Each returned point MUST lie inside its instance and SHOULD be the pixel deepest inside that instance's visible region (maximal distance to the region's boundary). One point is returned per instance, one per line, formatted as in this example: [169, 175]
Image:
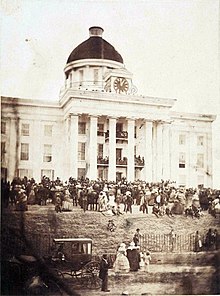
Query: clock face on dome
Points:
[121, 85]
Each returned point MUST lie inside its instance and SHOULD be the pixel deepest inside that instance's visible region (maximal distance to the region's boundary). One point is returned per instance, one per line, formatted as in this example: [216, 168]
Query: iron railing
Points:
[15, 243]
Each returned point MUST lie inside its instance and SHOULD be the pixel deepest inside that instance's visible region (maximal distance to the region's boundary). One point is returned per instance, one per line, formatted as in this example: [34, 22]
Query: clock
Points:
[121, 84]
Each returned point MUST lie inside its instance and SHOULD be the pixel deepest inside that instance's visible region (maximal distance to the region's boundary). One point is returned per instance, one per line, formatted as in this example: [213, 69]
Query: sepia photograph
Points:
[110, 147]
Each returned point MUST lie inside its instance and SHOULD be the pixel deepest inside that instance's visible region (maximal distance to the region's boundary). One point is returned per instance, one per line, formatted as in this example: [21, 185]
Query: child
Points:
[142, 262]
[147, 259]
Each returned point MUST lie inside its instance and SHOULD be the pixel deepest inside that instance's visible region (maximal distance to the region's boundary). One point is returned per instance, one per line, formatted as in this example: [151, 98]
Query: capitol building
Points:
[102, 128]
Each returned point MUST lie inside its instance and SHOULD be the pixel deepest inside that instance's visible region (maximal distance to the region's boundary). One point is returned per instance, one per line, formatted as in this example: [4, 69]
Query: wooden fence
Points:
[167, 243]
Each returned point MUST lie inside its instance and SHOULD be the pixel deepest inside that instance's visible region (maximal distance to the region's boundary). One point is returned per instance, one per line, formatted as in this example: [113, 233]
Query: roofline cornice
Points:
[193, 116]
[113, 97]
[29, 102]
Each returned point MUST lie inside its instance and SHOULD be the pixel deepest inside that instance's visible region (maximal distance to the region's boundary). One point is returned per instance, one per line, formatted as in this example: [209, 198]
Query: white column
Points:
[154, 158]
[192, 159]
[166, 152]
[130, 170]
[148, 154]
[159, 151]
[73, 140]
[112, 150]
[208, 159]
[66, 154]
[93, 148]
[14, 144]
[37, 150]
[174, 148]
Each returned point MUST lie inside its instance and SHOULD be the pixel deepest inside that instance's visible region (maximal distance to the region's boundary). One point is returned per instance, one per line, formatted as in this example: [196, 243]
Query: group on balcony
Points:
[101, 160]
[119, 134]
[121, 161]
[138, 160]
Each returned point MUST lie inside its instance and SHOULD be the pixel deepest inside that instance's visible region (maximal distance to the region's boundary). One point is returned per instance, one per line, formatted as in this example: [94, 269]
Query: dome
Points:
[95, 48]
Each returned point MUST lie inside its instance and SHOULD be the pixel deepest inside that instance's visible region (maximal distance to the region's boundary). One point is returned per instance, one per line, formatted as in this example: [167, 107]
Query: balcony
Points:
[120, 136]
[139, 161]
[102, 161]
[121, 162]
[100, 133]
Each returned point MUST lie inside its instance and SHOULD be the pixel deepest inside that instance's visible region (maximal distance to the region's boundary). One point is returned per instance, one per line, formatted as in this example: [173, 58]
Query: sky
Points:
[171, 47]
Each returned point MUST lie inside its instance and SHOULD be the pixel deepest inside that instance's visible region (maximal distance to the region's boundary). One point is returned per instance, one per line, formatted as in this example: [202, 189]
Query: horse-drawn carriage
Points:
[72, 258]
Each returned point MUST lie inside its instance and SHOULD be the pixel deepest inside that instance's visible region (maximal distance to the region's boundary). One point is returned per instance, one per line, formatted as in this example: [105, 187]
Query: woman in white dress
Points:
[121, 263]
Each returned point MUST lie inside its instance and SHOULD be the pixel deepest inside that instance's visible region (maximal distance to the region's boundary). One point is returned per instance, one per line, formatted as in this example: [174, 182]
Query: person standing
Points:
[172, 238]
[103, 273]
[137, 237]
[121, 263]
[84, 198]
[133, 255]
[198, 242]
[147, 259]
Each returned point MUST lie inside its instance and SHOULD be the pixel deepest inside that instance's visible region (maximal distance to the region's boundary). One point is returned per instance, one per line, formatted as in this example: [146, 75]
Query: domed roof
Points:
[95, 48]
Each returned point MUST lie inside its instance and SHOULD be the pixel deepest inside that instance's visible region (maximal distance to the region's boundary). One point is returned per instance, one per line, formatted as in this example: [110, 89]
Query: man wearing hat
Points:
[103, 273]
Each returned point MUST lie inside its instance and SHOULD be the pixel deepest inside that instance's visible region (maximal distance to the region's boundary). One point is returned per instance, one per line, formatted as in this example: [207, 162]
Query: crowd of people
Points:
[116, 198]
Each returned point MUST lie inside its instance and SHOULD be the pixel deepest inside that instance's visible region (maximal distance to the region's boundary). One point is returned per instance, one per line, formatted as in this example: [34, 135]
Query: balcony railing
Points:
[138, 161]
[102, 161]
[120, 135]
[100, 133]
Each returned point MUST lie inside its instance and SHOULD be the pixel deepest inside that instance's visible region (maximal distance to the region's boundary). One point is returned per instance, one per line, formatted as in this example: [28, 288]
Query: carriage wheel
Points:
[90, 275]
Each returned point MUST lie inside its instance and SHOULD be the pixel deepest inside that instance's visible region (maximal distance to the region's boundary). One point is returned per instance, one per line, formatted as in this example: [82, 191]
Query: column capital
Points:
[93, 116]
[112, 117]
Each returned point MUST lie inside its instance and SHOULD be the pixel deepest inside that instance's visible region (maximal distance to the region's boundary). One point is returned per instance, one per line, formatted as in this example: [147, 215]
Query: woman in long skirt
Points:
[121, 263]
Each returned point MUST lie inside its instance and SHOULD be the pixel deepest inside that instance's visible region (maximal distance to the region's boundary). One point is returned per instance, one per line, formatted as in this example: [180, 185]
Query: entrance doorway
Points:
[118, 176]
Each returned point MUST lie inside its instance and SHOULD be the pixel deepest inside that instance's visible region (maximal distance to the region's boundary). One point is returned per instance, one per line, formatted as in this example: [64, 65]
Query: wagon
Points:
[72, 257]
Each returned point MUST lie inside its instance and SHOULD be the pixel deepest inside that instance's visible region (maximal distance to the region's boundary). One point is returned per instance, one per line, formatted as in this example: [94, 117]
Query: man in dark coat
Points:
[103, 273]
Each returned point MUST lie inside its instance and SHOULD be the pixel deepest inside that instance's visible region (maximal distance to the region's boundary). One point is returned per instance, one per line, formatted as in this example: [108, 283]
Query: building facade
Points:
[101, 128]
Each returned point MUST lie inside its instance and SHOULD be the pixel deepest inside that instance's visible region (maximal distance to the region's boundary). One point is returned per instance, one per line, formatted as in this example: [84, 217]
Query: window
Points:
[82, 128]
[100, 129]
[25, 173]
[81, 151]
[80, 76]
[182, 139]
[200, 160]
[100, 150]
[182, 160]
[24, 151]
[47, 153]
[101, 173]
[3, 151]
[3, 127]
[48, 130]
[118, 153]
[96, 76]
[200, 141]
[25, 129]
[119, 127]
[48, 173]
[135, 131]
[81, 172]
